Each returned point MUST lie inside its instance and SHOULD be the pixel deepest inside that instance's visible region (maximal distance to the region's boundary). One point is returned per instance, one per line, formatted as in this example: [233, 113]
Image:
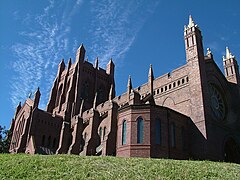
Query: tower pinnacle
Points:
[191, 23]
[228, 53]
[96, 63]
[231, 68]
[129, 85]
[150, 72]
[150, 79]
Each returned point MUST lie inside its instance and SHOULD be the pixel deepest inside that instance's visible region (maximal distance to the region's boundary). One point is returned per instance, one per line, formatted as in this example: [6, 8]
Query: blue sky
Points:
[36, 35]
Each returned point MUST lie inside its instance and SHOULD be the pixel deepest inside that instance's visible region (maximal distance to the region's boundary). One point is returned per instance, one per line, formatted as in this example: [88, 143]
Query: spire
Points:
[81, 48]
[129, 85]
[69, 63]
[150, 79]
[19, 104]
[110, 68]
[61, 67]
[228, 54]
[191, 22]
[95, 101]
[110, 61]
[150, 72]
[96, 63]
[36, 98]
[80, 53]
[62, 63]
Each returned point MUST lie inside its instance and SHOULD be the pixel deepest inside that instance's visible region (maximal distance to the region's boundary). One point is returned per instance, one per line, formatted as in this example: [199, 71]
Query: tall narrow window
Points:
[124, 132]
[139, 130]
[158, 131]
[172, 135]
[100, 133]
[104, 132]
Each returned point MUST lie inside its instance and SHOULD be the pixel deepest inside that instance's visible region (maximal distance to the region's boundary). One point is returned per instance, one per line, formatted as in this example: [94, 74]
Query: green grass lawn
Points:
[22, 166]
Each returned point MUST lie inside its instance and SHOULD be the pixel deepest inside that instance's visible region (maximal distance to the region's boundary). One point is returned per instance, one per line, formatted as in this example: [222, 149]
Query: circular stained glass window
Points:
[217, 103]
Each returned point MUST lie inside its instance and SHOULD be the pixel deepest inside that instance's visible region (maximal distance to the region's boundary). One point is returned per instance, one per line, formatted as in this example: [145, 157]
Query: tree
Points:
[4, 139]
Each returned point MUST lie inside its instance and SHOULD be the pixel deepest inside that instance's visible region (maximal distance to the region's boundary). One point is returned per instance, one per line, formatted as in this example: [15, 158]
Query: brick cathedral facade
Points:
[192, 112]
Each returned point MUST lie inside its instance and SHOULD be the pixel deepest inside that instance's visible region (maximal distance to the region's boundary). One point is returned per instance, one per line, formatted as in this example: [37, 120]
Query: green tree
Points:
[4, 139]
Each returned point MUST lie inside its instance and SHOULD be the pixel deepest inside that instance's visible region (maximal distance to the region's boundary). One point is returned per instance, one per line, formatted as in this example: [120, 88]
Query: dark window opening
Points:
[124, 132]
[139, 130]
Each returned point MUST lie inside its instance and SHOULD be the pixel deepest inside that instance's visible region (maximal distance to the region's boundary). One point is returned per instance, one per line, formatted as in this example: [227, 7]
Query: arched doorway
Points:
[231, 151]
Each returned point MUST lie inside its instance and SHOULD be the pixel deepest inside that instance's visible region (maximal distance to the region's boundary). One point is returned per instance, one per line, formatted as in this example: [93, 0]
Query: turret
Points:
[231, 68]
[54, 90]
[150, 79]
[80, 54]
[61, 67]
[129, 87]
[110, 68]
[96, 63]
[36, 98]
[110, 71]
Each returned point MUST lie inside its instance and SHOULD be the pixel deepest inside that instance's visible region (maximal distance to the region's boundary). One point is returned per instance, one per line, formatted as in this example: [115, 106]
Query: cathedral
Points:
[189, 113]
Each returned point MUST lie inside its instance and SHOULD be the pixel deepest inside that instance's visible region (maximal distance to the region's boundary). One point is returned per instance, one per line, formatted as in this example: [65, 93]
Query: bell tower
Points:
[193, 41]
[197, 76]
[231, 69]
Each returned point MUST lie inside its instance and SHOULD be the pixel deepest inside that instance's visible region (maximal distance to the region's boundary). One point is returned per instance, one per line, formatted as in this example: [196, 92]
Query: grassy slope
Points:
[21, 166]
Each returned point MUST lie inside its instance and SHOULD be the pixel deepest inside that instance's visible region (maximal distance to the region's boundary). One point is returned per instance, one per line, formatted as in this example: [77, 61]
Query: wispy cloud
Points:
[115, 26]
[112, 28]
[46, 41]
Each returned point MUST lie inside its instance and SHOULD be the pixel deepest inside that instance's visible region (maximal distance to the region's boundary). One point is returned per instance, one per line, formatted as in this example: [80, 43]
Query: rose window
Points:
[217, 103]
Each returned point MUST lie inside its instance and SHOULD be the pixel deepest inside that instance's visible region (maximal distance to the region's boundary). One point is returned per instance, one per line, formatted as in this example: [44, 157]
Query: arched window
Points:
[124, 132]
[100, 133]
[104, 132]
[43, 140]
[172, 135]
[158, 131]
[139, 130]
